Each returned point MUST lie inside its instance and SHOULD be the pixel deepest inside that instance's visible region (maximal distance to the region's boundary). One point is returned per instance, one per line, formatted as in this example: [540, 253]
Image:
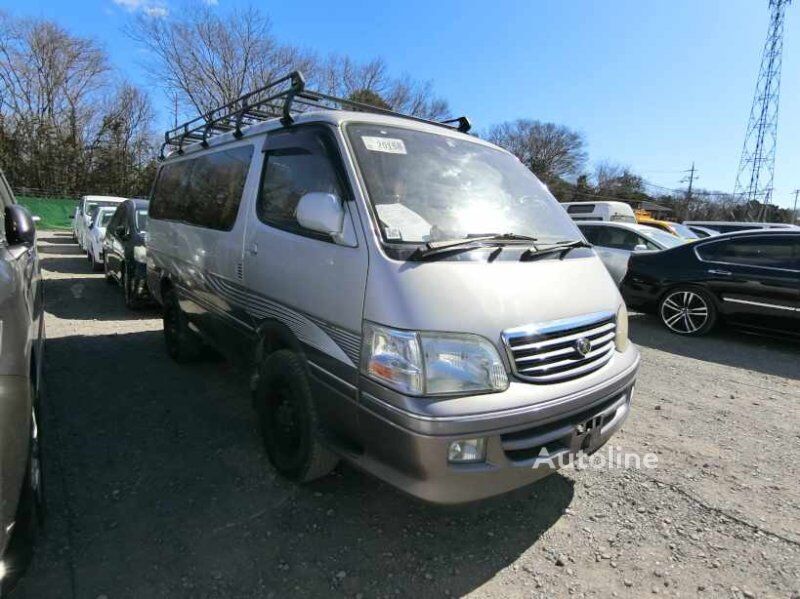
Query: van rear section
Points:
[400, 294]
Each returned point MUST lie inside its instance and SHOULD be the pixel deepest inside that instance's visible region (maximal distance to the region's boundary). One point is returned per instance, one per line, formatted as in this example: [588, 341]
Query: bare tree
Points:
[549, 150]
[341, 76]
[208, 59]
[59, 107]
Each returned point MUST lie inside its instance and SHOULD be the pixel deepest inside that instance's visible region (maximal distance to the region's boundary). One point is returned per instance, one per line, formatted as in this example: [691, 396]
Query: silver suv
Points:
[21, 354]
[405, 296]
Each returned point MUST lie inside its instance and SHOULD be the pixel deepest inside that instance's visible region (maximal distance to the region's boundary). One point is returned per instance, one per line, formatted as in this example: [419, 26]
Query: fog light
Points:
[467, 450]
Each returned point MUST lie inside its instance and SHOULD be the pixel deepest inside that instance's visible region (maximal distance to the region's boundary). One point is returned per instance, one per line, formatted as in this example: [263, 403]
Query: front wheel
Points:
[688, 311]
[289, 423]
[109, 277]
[132, 301]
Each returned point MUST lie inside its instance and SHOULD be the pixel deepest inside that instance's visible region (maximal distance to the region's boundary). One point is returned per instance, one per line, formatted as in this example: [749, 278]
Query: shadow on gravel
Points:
[70, 250]
[168, 493]
[75, 264]
[91, 298]
[728, 346]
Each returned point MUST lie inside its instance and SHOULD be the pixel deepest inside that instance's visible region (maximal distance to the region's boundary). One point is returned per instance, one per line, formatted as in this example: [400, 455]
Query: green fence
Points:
[53, 212]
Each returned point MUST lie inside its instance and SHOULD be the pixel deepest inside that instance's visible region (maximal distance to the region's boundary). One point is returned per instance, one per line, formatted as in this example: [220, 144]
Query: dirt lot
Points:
[158, 486]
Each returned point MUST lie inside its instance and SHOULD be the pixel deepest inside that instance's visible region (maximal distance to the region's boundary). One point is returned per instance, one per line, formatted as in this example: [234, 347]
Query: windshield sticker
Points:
[393, 234]
[388, 145]
[401, 219]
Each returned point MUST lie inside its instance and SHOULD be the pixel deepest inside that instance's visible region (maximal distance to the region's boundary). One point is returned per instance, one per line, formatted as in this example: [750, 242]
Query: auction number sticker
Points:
[388, 145]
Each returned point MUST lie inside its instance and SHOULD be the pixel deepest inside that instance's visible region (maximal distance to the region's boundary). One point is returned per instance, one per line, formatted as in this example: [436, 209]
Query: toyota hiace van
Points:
[401, 294]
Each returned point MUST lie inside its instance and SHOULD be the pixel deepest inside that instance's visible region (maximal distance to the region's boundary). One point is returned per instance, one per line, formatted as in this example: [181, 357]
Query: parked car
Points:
[678, 230]
[600, 211]
[731, 226]
[83, 215]
[124, 251]
[96, 235]
[614, 243]
[21, 356]
[751, 279]
[413, 298]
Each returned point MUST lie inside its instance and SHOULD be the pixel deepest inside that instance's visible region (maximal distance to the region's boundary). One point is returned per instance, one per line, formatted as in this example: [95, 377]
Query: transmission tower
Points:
[757, 164]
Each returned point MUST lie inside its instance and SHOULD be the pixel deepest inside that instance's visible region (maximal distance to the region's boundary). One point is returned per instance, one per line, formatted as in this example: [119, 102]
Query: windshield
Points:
[426, 187]
[141, 219]
[684, 231]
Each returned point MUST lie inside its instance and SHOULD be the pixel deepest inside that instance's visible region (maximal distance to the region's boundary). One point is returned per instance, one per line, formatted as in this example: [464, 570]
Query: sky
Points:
[654, 85]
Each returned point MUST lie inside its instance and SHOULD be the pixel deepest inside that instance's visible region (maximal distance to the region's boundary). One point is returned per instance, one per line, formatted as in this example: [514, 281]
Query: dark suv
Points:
[124, 253]
[21, 352]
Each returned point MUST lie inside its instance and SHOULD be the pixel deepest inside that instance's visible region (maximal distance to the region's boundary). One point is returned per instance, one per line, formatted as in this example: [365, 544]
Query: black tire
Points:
[288, 419]
[132, 302]
[108, 276]
[96, 266]
[688, 311]
[183, 344]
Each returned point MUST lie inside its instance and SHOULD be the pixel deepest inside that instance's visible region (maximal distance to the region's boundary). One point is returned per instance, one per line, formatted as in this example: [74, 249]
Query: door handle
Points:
[723, 273]
[253, 249]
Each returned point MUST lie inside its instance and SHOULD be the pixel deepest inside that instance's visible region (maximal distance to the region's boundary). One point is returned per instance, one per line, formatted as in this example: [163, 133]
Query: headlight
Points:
[621, 340]
[431, 363]
[140, 253]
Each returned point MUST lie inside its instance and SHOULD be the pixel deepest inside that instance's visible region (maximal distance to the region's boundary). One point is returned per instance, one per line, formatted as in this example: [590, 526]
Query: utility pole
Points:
[794, 210]
[690, 180]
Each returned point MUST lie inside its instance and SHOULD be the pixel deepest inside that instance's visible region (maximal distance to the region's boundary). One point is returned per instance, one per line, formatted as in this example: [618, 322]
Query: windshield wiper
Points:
[470, 243]
[560, 246]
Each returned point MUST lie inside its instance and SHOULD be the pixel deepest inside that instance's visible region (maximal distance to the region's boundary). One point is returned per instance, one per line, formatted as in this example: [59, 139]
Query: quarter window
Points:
[772, 252]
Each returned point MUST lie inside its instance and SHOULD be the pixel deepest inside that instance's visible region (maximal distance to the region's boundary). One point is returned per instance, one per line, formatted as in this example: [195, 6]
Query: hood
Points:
[486, 297]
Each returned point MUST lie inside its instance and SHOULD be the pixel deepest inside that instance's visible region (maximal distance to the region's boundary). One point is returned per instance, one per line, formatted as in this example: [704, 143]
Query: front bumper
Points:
[410, 452]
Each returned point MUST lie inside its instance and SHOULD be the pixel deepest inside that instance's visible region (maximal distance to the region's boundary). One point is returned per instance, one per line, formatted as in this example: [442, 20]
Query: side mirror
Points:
[71, 217]
[321, 212]
[20, 228]
[640, 248]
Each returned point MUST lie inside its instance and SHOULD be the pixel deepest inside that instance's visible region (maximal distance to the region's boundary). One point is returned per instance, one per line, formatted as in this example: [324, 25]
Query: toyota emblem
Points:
[583, 346]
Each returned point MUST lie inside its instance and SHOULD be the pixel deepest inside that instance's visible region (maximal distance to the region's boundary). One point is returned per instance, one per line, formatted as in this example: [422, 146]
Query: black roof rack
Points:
[285, 98]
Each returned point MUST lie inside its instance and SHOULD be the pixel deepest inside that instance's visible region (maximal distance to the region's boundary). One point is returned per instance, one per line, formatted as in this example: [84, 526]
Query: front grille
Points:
[563, 349]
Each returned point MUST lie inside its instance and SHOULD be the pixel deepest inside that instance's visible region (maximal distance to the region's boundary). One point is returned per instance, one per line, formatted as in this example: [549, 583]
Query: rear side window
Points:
[580, 209]
[772, 252]
[205, 191]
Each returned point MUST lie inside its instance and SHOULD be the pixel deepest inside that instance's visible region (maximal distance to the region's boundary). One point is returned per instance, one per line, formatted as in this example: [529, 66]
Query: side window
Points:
[773, 252]
[618, 238]
[646, 242]
[591, 234]
[170, 198]
[215, 187]
[205, 191]
[291, 172]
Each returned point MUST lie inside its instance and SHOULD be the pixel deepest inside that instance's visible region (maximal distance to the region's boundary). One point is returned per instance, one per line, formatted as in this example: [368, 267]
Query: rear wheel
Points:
[183, 344]
[289, 423]
[688, 311]
[109, 277]
[132, 301]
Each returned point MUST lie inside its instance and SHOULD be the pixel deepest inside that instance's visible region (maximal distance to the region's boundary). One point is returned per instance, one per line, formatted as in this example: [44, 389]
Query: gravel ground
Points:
[158, 487]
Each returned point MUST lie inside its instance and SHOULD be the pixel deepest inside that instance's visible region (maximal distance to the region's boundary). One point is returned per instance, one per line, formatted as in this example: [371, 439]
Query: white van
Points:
[400, 294]
[600, 211]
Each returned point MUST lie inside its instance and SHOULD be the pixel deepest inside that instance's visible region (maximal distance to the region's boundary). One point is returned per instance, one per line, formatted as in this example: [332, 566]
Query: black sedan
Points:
[750, 279]
[124, 252]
